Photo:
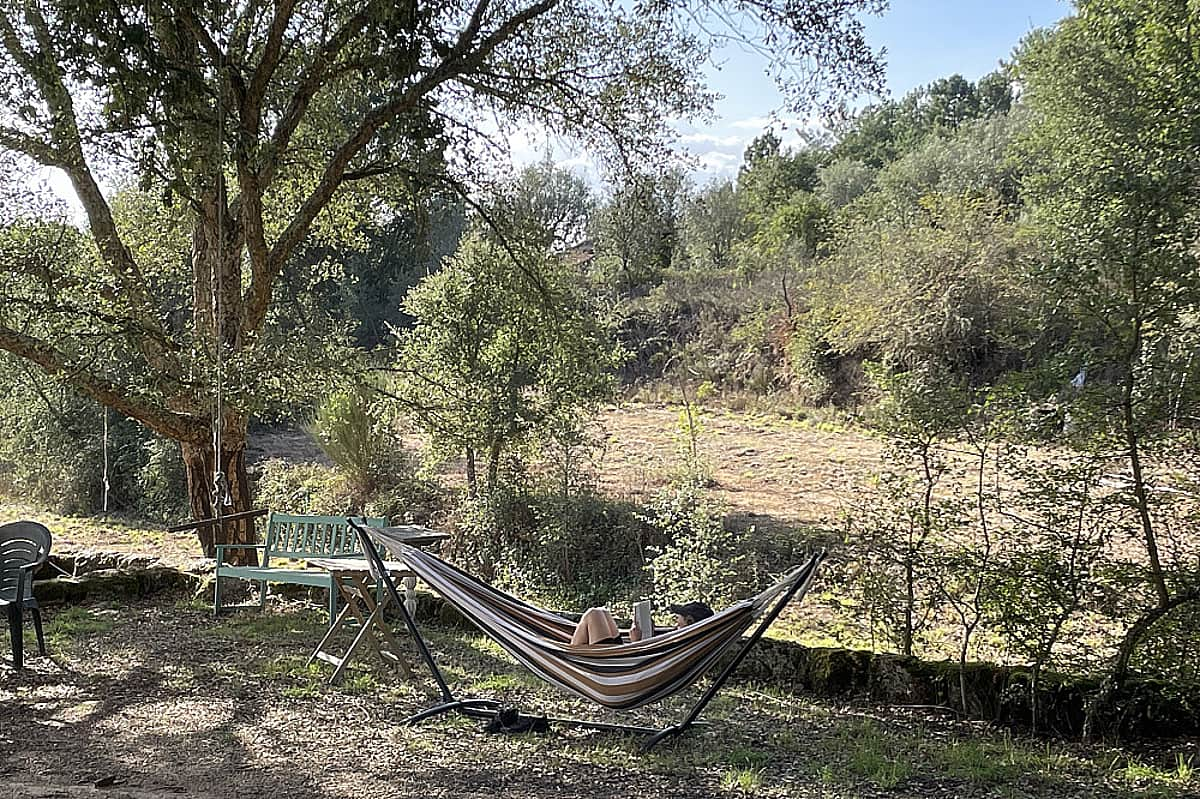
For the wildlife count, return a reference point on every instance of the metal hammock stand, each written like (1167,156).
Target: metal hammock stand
(797,584)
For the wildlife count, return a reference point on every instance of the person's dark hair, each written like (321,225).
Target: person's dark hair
(693,610)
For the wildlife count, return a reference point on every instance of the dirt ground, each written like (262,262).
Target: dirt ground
(157,699)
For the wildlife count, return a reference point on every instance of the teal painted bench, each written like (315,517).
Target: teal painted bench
(294,538)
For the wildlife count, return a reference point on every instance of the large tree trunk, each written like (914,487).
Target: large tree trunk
(201,470)
(217,318)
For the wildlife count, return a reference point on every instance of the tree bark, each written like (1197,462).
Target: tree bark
(200,464)
(217,312)
(472,478)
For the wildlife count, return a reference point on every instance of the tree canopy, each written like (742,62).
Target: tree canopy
(260,125)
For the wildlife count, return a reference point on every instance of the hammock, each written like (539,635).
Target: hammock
(618,676)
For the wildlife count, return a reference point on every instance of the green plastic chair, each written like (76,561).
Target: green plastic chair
(23,547)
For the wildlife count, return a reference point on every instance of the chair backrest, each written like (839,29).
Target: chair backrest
(21,544)
(302,537)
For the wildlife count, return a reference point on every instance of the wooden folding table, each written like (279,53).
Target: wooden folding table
(353,581)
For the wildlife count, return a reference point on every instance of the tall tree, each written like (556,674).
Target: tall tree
(545,209)
(1115,99)
(638,231)
(262,118)
(501,352)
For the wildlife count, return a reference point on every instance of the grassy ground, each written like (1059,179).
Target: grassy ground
(767,469)
(158,699)
(110,534)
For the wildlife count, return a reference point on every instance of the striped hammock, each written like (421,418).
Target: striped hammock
(619,676)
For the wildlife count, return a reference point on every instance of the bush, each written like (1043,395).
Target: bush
(701,559)
(162,481)
(582,549)
(301,488)
(316,489)
(353,438)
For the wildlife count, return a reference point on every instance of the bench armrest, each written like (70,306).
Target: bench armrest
(220,548)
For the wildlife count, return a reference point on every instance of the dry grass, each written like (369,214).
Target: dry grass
(791,471)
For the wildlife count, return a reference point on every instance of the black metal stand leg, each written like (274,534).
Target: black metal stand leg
(14,633)
(799,589)
(372,553)
(660,736)
(460,705)
(37,628)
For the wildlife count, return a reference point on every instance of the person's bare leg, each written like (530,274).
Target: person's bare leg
(610,626)
(595,625)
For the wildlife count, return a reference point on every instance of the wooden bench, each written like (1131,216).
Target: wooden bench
(294,539)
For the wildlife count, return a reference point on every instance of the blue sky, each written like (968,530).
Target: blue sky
(924,39)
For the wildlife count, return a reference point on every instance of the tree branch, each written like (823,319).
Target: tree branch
(272,52)
(179,426)
(65,137)
(311,81)
(459,60)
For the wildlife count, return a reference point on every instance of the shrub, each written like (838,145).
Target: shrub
(301,488)
(701,559)
(352,437)
(582,549)
(313,488)
(52,450)
(162,481)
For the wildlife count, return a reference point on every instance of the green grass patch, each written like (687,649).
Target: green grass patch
(747,758)
(303,680)
(496,683)
(746,781)
(298,679)
(1153,780)
(76,623)
(981,761)
(871,753)
(268,626)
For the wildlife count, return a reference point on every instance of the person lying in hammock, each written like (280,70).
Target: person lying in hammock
(597,626)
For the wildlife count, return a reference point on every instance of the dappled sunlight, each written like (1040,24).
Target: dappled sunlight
(236,715)
(171,716)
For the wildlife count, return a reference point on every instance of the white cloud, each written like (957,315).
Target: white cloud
(716,141)
(760,123)
(713,164)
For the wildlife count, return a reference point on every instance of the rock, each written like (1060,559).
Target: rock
(79,562)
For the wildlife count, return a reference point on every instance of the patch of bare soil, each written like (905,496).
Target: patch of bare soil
(152,699)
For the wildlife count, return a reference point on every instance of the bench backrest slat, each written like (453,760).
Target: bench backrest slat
(301,537)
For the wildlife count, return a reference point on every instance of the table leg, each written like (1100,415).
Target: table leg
(351,588)
(357,596)
(333,628)
(374,622)
(385,633)
(410,594)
